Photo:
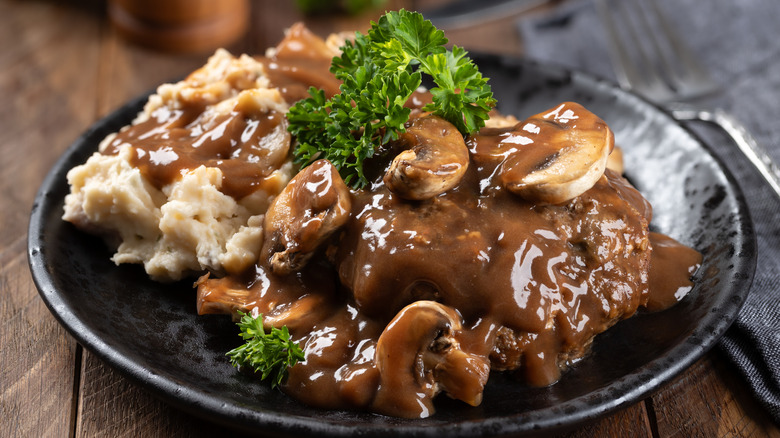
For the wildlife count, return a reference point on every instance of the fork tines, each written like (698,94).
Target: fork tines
(648,55)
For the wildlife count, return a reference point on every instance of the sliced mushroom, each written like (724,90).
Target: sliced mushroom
(297,301)
(222,296)
(313,205)
(419,355)
(303,313)
(565,154)
(436,161)
(615,160)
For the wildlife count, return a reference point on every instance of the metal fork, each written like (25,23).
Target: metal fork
(662,69)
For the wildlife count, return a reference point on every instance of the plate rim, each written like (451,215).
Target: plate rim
(200,403)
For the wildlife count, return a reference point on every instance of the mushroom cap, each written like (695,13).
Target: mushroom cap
(566,153)
(419,355)
(436,162)
(313,205)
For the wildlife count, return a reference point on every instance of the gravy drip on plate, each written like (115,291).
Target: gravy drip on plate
(669,280)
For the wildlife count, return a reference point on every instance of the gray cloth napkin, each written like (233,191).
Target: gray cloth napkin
(739,43)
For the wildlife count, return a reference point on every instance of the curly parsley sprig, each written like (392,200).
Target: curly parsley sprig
(379,72)
(270,354)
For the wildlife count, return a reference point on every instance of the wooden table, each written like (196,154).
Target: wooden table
(62,67)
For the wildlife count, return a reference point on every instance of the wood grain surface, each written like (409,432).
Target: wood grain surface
(62,67)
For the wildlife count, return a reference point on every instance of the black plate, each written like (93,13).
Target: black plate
(151,333)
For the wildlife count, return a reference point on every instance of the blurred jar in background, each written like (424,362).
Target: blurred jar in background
(180,25)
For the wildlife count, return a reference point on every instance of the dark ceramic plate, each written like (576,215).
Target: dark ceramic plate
(151,333)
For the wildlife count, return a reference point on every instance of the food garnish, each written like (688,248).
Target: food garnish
(379,72)
(269,353)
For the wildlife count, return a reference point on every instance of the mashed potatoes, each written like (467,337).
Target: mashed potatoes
(223,117)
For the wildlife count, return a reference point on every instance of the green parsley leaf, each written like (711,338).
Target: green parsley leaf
(379,72)
(270,354)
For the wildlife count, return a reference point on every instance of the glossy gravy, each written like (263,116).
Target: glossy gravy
(532,285)
(528,286)
(244,144)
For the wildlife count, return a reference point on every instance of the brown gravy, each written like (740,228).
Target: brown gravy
(172,142)
(245,144)
(527,286)
(301,60)
(670,281)
(533,284)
